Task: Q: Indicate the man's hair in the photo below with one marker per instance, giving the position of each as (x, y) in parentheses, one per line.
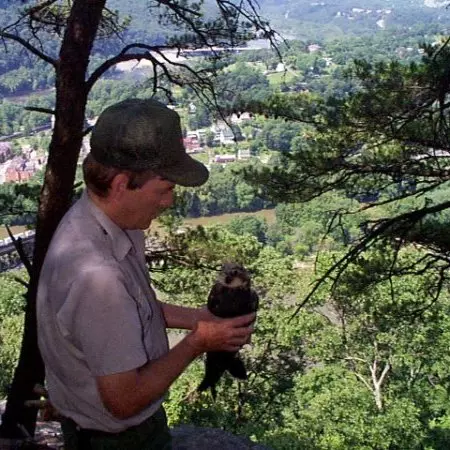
(98, 177)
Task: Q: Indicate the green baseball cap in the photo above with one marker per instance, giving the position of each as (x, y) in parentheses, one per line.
(138, 135)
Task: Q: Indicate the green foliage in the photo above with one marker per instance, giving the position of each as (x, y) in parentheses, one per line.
(18, 203)
(200, 118)
(377, 325)
(277, 135)
(12, 304)
(302, 229)
(11, 330)
(12, 301)
(224, 192)
(250, 225)
(384, 146)
(241, 84)
(331, 410)
(205, 250)
(310, 382)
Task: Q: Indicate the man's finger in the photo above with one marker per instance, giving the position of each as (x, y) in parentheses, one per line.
(241, 321)
(238, 340)
(242, 332)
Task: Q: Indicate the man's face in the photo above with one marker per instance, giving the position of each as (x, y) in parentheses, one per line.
(144, 204)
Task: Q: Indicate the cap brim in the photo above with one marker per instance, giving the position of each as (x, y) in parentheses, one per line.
(186, 172)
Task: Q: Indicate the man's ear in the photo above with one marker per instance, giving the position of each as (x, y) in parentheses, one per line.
(119, 186)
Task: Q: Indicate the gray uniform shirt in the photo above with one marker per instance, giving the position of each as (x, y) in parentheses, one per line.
(96, 313)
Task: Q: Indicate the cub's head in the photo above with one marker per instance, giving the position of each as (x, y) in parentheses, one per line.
(233, 275)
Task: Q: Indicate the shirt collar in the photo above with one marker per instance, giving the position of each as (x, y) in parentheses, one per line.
(120, 241)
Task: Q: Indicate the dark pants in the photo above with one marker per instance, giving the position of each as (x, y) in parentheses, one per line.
(152, 434)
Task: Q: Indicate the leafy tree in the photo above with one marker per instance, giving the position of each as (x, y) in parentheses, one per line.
(250, 225)
(11, 330)
(224, 192)
(12, 306)
(386, 145)
(242, 81)
(331, 411)
(200, 118)
(277, 135)
(77, 24)
(367, 378)
(18, 203)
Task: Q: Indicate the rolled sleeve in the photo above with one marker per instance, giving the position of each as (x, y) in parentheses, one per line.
(101, 318)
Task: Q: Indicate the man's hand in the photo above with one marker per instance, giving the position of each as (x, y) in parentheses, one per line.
(222, 334)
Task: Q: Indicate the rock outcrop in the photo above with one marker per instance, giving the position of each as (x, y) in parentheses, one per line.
(185, 437)
(188, 437)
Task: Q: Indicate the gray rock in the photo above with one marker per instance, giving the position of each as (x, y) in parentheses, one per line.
(188, 437)
(185, 437)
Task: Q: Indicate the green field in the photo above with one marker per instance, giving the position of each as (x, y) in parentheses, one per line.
(268, 214)
(277, 78)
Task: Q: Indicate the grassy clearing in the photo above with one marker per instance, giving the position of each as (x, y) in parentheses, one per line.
(256, 65)
(202, 157)
(268, 214)
(278, 78)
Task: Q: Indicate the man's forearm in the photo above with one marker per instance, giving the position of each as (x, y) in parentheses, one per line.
(126, 394)
(155, 378)
(182, 316)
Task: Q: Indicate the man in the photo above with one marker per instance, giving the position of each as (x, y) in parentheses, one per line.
(101, 330)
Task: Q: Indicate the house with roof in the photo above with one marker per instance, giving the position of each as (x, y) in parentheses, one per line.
(314, 48)
(192, 144)
(20, 171)
(243, 117)
(244, 153)
(223, 134)
(199, 134)
(224, 159)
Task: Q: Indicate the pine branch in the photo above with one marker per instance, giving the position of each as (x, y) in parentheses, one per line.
(40, 54)
(380, 228)
(121, 57)
(40, 110)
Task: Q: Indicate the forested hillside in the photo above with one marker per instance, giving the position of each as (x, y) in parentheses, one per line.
(306, 20)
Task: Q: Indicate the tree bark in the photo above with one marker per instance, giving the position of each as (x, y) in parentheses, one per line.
(55, 197)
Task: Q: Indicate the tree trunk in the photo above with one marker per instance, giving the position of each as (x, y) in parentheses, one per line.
(378, 382)
(55, 198)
